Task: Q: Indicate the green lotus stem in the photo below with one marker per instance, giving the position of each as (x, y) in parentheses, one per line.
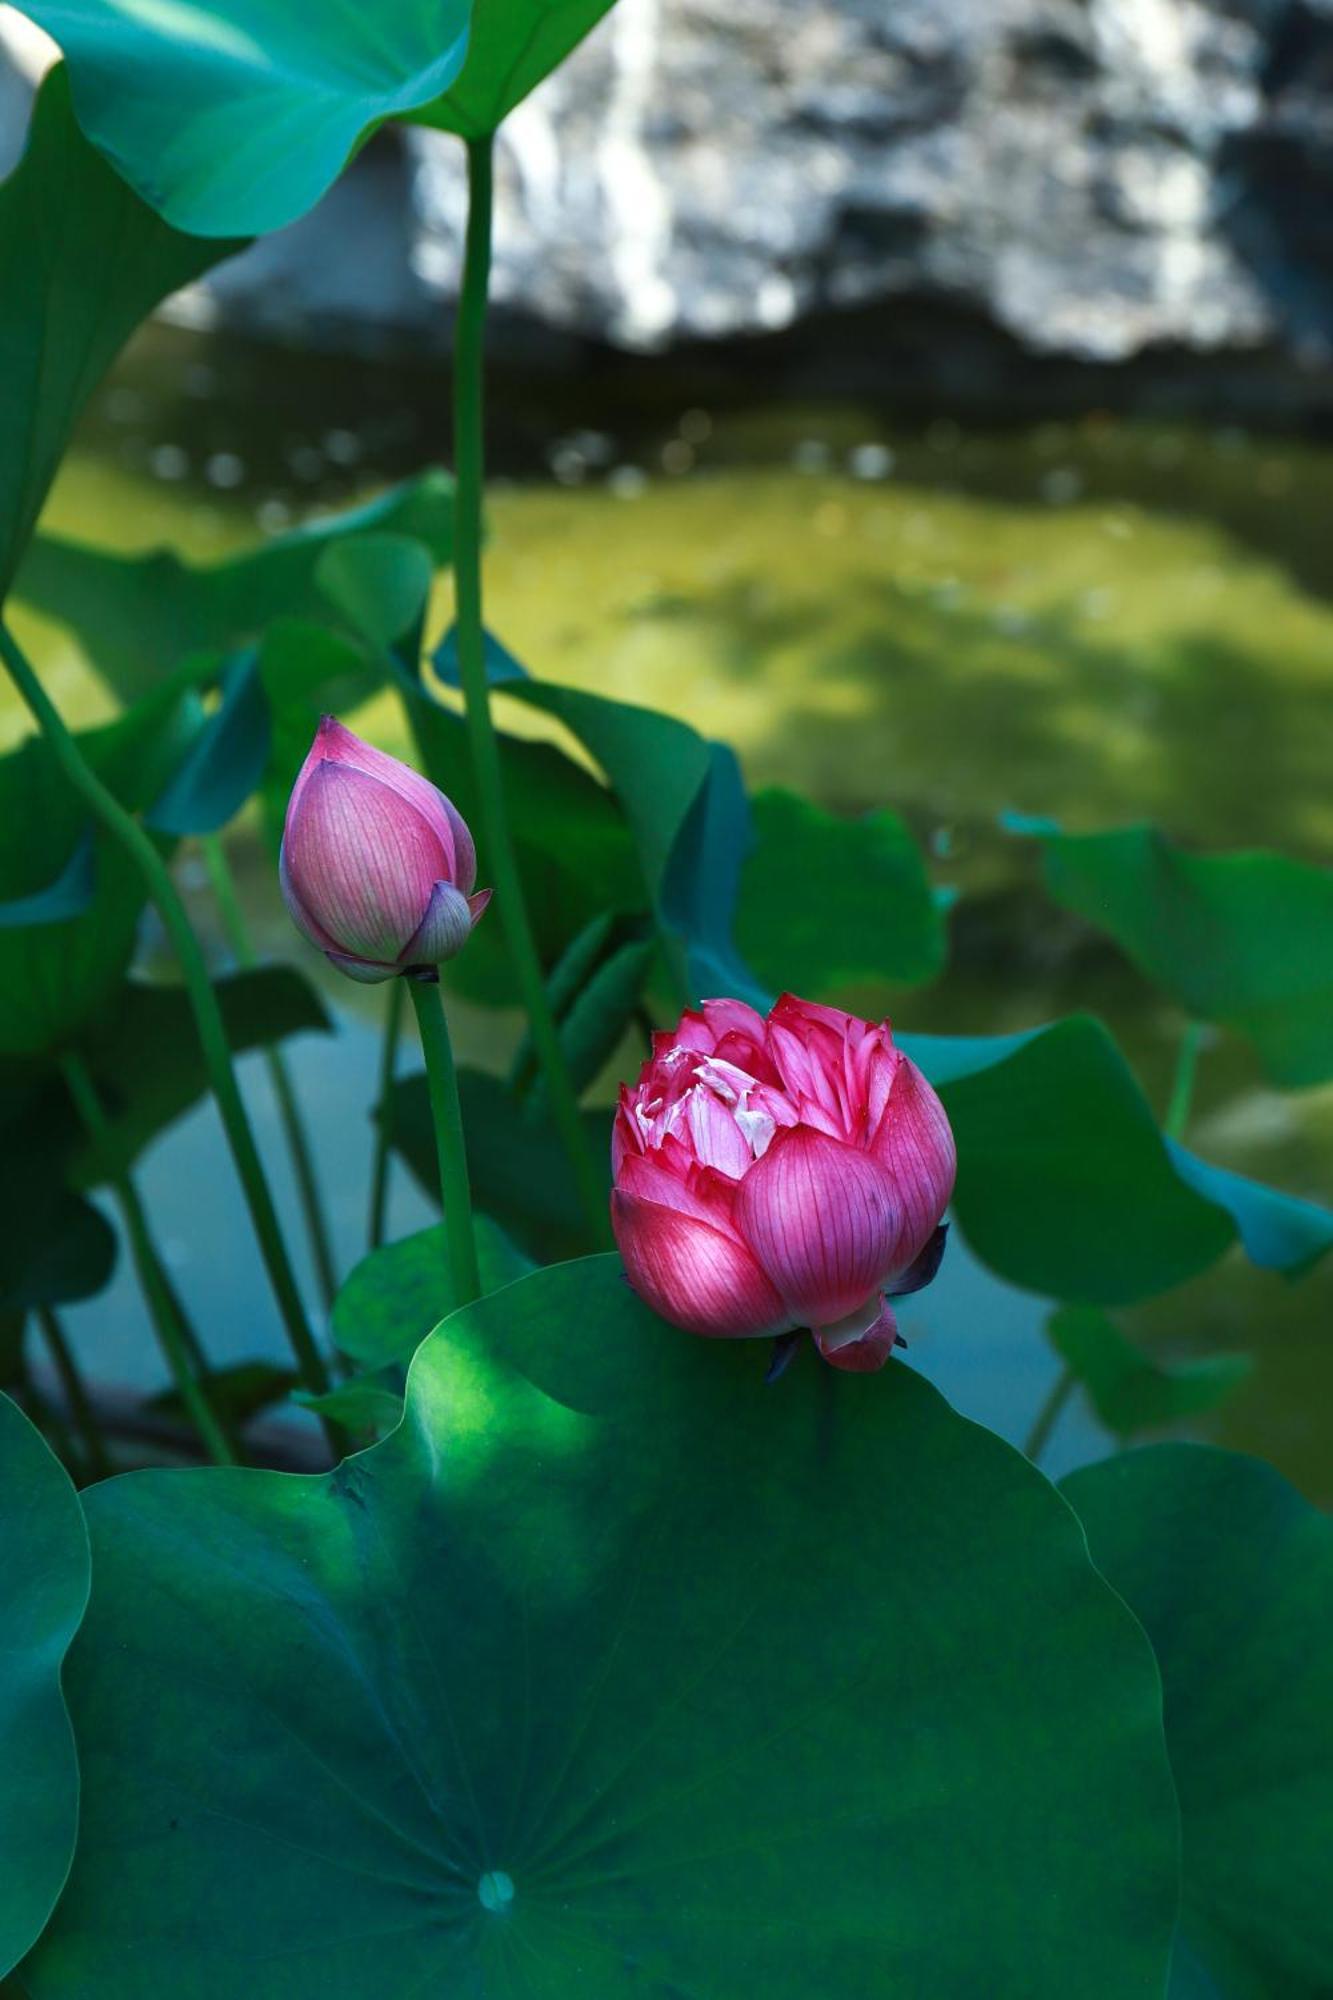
(1048, 1415)
(284, 1091)
(469, 467)
(76, 1395)
(379, 1171)
(126, 830)
(1182, 1088)
(194, 1346)
(463, 1281)
(163, 1308)
(51, 1423)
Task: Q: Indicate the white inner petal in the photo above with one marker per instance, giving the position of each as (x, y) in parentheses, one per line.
(758, 1128)
(716, 1103)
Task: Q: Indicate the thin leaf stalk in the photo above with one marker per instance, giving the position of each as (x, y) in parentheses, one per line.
(159, 1297)
(237, 931)
(77, 1400)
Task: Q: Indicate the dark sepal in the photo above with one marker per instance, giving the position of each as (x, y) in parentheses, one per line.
(924, 1267)
(784, 1348)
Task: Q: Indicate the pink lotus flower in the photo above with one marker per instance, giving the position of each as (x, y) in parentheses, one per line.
(781, 1173)
(377, 866)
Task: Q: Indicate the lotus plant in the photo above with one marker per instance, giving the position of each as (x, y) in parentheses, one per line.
(779, 1173)
(378, 867)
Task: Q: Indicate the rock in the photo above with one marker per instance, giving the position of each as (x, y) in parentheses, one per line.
(999, 196)
(1095, 178)
(343, 277)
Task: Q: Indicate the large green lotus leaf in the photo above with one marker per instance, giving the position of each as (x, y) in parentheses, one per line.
(655, 769)
(146, 1056)
(674, 791)
(82, 261)
(56, 975)
(1064, 1182)
(614, 1672)
(1132, 1391)
(378, 583)
(43, 1593)
(58, 1248)
(307, 671)
(1244, 939)
(498, 663)
(575, 848)
(139, 617)
(234, 117)
(390, 1301)
(1066, 1185)
(1231, 1574)
(663, 775)
(514, 44)
(702, 883)
(227, 760)
(1278, 1231)
(654, 764)
(827, 903)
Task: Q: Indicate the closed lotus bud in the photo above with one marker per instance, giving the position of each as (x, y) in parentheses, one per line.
(781, 1173)
(377, 866)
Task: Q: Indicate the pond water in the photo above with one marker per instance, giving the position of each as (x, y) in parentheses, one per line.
(1100, 622)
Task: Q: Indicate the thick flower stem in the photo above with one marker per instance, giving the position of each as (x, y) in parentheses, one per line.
(469, 462)
(168, 1323)
(464, 1283)
(284, 1091)
(96, 1462)
(379, 1171)
(126, 830)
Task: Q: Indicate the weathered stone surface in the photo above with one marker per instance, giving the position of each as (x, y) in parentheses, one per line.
(1093, 176)
(1094, 180)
